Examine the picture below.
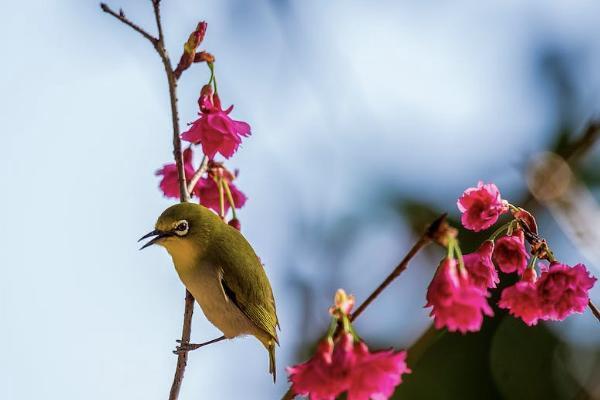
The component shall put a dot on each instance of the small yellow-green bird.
(222, 271)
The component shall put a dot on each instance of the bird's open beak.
(157, 236)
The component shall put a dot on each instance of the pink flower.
(510, 254)
(215, 130)
(481, 206)
(169, 184)
(563, 290)
(376, 374)
(480, 267)
(208, 191)
(456, 302)
(348, 367)
(315, 377)
(521, 299)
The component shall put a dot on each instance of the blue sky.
(343, 95)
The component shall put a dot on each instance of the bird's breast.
(203, 280)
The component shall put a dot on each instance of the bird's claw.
(185, 347)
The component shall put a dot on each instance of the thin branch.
(198, 174)
(121, 17)
(156, 6)
(186, 333)
(435, 232)
(594, 309)
(184, 195)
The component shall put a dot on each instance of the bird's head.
(180, 226)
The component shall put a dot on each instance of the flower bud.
(529, 275)
(343, 304)
(204, 56)
(235, 223)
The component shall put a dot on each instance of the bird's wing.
(244, 280)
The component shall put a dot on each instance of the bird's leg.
(185, 347)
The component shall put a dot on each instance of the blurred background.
(368, 119)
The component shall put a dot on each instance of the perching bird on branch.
(222, 271)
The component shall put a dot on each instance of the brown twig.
(594, 309)
(186, 333)
(435, 232)
(121, 17)
(198, 174)
(159, 46)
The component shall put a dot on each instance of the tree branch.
(186, 333)
(184, 195)
(594, 310)
(121, 17)
(435, 232)
(156, 6)
(198, 174)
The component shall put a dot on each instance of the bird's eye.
(181, 228)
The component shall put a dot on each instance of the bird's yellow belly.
(204, 282)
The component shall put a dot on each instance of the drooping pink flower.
(376, 374)
(510, 254)
(521, 299)
(314, 377)
(169, 184)
(208, 191)
(348, 367)
(481, 206)
(456, 302)
(480, 267)
(215, 130)
(563, 290)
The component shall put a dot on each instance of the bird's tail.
(272, 367)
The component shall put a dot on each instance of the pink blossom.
(315, 377)
(456, 302)
(348, 367)
(375, 375)
(169, 184)
(510, 254)
(480, 267)
(215, 130)
(521, 299)
(481, 206)
(563, 290)
(208, 191)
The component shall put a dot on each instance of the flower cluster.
(459, 290)
(344, 363)
(216, 133)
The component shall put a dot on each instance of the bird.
(221, 270)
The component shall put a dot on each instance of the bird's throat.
(184, 253)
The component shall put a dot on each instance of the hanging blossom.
(559, 291)
(169, 184)
(208, 191)
(456, 302)
(563, 290)
(480, 267)
(521, 298)
(345, 364)
(510, 254)
(481, 206)
(215, 130)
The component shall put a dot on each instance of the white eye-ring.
(181, 228)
